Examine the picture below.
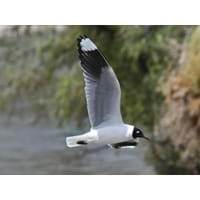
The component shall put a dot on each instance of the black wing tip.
(81, 37)
(81, 48)
(92, 61)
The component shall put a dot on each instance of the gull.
(103, 94)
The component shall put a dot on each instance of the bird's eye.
(137, 131)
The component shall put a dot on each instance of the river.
(40, 149)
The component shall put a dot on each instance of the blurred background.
(42, 99)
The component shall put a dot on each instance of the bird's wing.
(102, 88)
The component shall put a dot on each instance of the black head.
(137, 133)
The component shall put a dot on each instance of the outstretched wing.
(102, 88)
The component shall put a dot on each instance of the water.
(31, 149)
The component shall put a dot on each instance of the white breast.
(114, 134)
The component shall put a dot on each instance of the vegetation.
(177, 147)
(43, 69)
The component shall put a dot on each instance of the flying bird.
(103, 94)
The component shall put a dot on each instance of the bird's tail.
(81, 140)
(74, 141)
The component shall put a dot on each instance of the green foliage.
(190, 75)
(69, 102)
(48, 71)
(142, 58)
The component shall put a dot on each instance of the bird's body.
(105, 135)
(103, 95)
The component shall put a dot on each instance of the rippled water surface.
(29, 149)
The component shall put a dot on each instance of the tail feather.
(74, 141)
(81, 140)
